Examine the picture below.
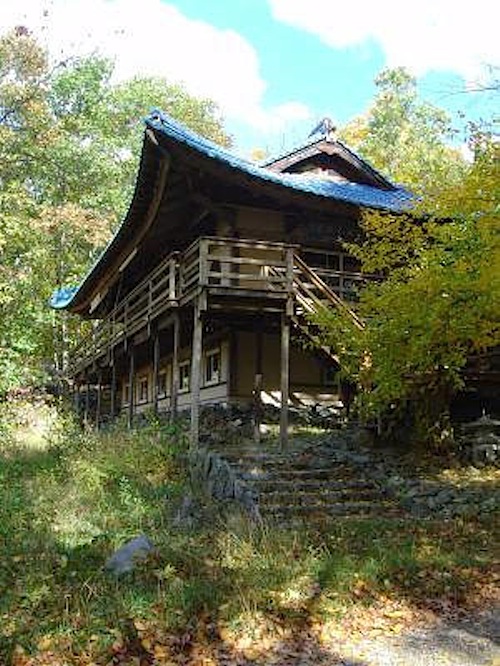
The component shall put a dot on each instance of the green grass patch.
(67, 501)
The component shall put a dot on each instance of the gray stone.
(191, 514)
(487, 452)
(127, 556)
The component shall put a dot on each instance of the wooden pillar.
(196, 371)
(131, 385)
(257, 386)
(112, 406)
(174, 388)
(99, 400)
(156, 368)
(86, 412)
(76, 397)
(285, 379)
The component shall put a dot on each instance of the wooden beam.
(86, 413)
(257, 387)
(233, 362)
(174, 389)
(156, 369)
(99, 400)
(285, 379)
(112, 407)
(131, 385)
(196, 373)
(76, 397)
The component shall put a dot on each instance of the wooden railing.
(345, 284)
(219, 265)
(312, 293)
(149, 299)
(239, 265)
(243, 265)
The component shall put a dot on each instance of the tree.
(404, 136)
(438, 302)
(438, 299)
(69, 147)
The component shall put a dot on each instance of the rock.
(127, 556)
(487, 451)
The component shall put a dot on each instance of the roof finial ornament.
(324, 128)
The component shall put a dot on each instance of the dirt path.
(472, 641)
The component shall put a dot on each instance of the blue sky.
(275, 67)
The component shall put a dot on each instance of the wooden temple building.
(203, 295)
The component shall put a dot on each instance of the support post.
(174, 389)
(76, 397)
(112, 406)
(156, 369)
(131, 385)
(86, 412)
(196, 370)
(285, 379)
(99, 400)
(257, 387)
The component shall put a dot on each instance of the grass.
(68, 499)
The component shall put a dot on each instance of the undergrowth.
(68, 498)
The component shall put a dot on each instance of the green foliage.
(404, 137)
(439, 299)
(69, 147)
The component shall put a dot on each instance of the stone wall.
(216, 480)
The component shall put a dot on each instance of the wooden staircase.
(311, 294)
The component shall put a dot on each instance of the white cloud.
(153, 38)
(422, 35)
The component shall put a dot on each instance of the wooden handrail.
(327, 291)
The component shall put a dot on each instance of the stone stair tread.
(310, 484)
(267, 499)
(305, 473)
(343, 508)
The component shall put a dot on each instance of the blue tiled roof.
(394, 200)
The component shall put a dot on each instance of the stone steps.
(308, 486)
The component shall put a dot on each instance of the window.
(126, 394)
(325, 260)
(143, 389)
(162, 384)
(184, 376)
(212, 367)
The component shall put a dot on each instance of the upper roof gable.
(325, 155)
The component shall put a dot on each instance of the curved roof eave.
(395, 200)
(72, 297)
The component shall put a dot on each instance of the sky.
(276, 67)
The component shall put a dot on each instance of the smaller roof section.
(325, 155)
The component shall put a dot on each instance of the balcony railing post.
(203, 262)
(171, 279)
(289, 270)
